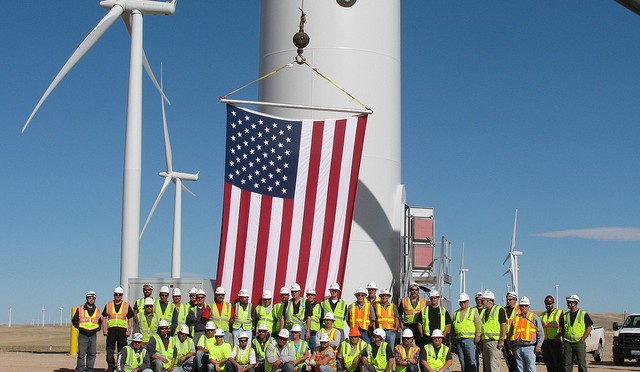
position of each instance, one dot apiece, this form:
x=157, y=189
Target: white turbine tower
x=463, y=274
x=131, y=12
x=177, y=178
x=513, y=257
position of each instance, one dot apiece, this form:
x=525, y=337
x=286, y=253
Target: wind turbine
x=463, y=274
x=177, y=178
x=131, y=12
x=513, y=256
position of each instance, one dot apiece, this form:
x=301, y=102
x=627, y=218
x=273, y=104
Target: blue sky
x=505, y=105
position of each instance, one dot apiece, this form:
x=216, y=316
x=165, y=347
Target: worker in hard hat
x=185, y=350
x=410, y=307
x=382, y=358
x=212, y=351
x=480, y=309
x=259, y=344
x=193, y=301
x=576, y=326
x=387, y=317
x=116, y=325
x=552, y=352
x=312, y=317
x=133, y=357
x=494, y=331
x=245, y=314
x=146, y=322
x=198, y=316
x=264, y=311
x=335, y=336
x=372, y=293
x=436, y=356
x=279, y=309
x=295, y=310
x=361, y=315
x=87, y=320
x=467, y=329
x=300, y=346
x=525, y=337
x=243, y=357
x=164, y=308
x=180, y=311
x=407, y=354
x=280, y=354
x=222, y=313
x=353, y=353
x=161, y=349
x=325, y=358
x=147, y=292
x=512, y=310
x=337, y=307
x=433, y=317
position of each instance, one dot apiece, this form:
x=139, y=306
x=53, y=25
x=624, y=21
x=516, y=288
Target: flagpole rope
x=337, y=86
x=290, y=64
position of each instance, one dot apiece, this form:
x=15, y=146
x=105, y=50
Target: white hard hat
x=478, y=294
x=263, y=327
x=184, y=329
x=573, y=298
x=311, y=291
x=512, y=294
x=329, y=316
x=372, y=285
x=243, y=293
x=380, y=332
x=434, y=293
x=163, y=323
x=118, y=290
x=177, y=292
x=243, y=335
x=147, y=286
x=334, y=287
x=436, y=333
x=164, y=289
x=524, y=300
x=210, y=325
x=407, y=333
x=193, y=290
x=220, y=290
x=218, y=332
x=414, y=284
x=295, y=287
x=361, y=290
x=324, y=337
x=285, y=291
x=266, y=294
x=385, y=292
x=137, y=337
x=296, y=328
x=463, y=297
x=488, y=295
x=149, y=301
x=201, y=292
x=284, y=333
x=92, y=294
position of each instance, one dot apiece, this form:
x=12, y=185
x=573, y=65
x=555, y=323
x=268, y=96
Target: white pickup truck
x=626, y=340
x=595, y=343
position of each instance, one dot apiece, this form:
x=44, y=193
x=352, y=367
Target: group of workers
x=298, y=333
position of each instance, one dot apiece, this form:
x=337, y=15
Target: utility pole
x=10, y=309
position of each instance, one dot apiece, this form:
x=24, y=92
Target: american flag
x=289, y=191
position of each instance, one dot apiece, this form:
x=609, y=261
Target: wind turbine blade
x=187, y=190
x=462, y=260
x=506, y=258
x=82, y=49
x=507, y=272
x=513, y=237
x=167, y=180
x=167, y=142
x=145, y=61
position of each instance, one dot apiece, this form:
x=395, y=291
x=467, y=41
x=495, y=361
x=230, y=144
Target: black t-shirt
x=434, y=318
x=375, y=348
x=502, y=315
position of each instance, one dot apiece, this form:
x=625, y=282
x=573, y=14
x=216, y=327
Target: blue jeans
x=467, y=354
x=525, y=357
x=391, y=338
x=312, y=341
x=364, y=335
x=236, y=333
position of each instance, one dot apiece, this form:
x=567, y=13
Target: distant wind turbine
x=177, y=178
x=513, y=257
x=463, y=274
x=131, y=12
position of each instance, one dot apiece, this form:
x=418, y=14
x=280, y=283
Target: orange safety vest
x=514, y=312
x=410, y=312
x=117, y=319
x=522, y=328
x=360, y=318
x=386, y=317
x=86, y=321
x=321, y=354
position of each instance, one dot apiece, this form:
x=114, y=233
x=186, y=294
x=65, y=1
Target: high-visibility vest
x=349, y=352
x=404, y=355
x=436, y=360
x=242, y=355
x=480, y=311
x=573, y=332
x=465, y=327
x=331, y=334
x=167, y=314
x=298, y=318
x=264, y=317
x=206, y=342
x=339, y=313
x=491, y=327
x=386, y=317
x=514, y=313
x=321, y=354
x=425, y=319
x=522, y=328
x=315, y=317
x=261, y=349
x=86, y=321
x=148, y=329
x=375, y=301
x=360, y=318
x=221, y=319
x=243, y=317
x=140, y=304
x=268, y=366
x=165, y=352
x=219, y=352
x=117, y=319
x=379, y=362
x=182, y=314
x=409, y=312
x=300, y=350
x=134, y=360
x=278, y=313
x=551, y=323
x=182, y=348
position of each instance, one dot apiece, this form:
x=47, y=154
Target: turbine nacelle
x=180, y=175
x=144, y=6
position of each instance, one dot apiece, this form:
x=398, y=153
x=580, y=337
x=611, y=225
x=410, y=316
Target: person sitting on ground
x=133, y=358
x=436, y=357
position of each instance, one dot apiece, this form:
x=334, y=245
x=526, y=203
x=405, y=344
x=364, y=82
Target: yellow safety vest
x=182, y=314
x=349, y=353
x=386, y=317
x=409, y=312
x=522, y=328
x=261, y=349
x=167, y=352
x=379, y=362
x=315, y=317
x=491, y=327
x=439, y=359
x=360, y=318
x=264, y=317
x=140, y=304
x=404, y=355
x=339, y=313
x=167, y=314
x=86, y=321
x=573, y=333
x=219, y=352
x=425, y=319
x=221, y=319
x=465, y=327
x=300, y=350
x=134, y=360
x=268, y=366
x=510, y=318
x=298, y=318
x=117, y=319
x=551, y=323
x=148, y=330
x=243, y=317
x=182, y=348
x=242, y=356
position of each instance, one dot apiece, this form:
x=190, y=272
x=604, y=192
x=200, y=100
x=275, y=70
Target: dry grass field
x=28, y=348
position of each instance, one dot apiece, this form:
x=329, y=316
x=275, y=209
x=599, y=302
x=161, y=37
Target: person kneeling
x=243, y=357
x=436, y=357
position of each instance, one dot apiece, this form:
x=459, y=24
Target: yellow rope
x=260, y=78
x=336, y=85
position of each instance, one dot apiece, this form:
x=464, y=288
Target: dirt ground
x=29, y=348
